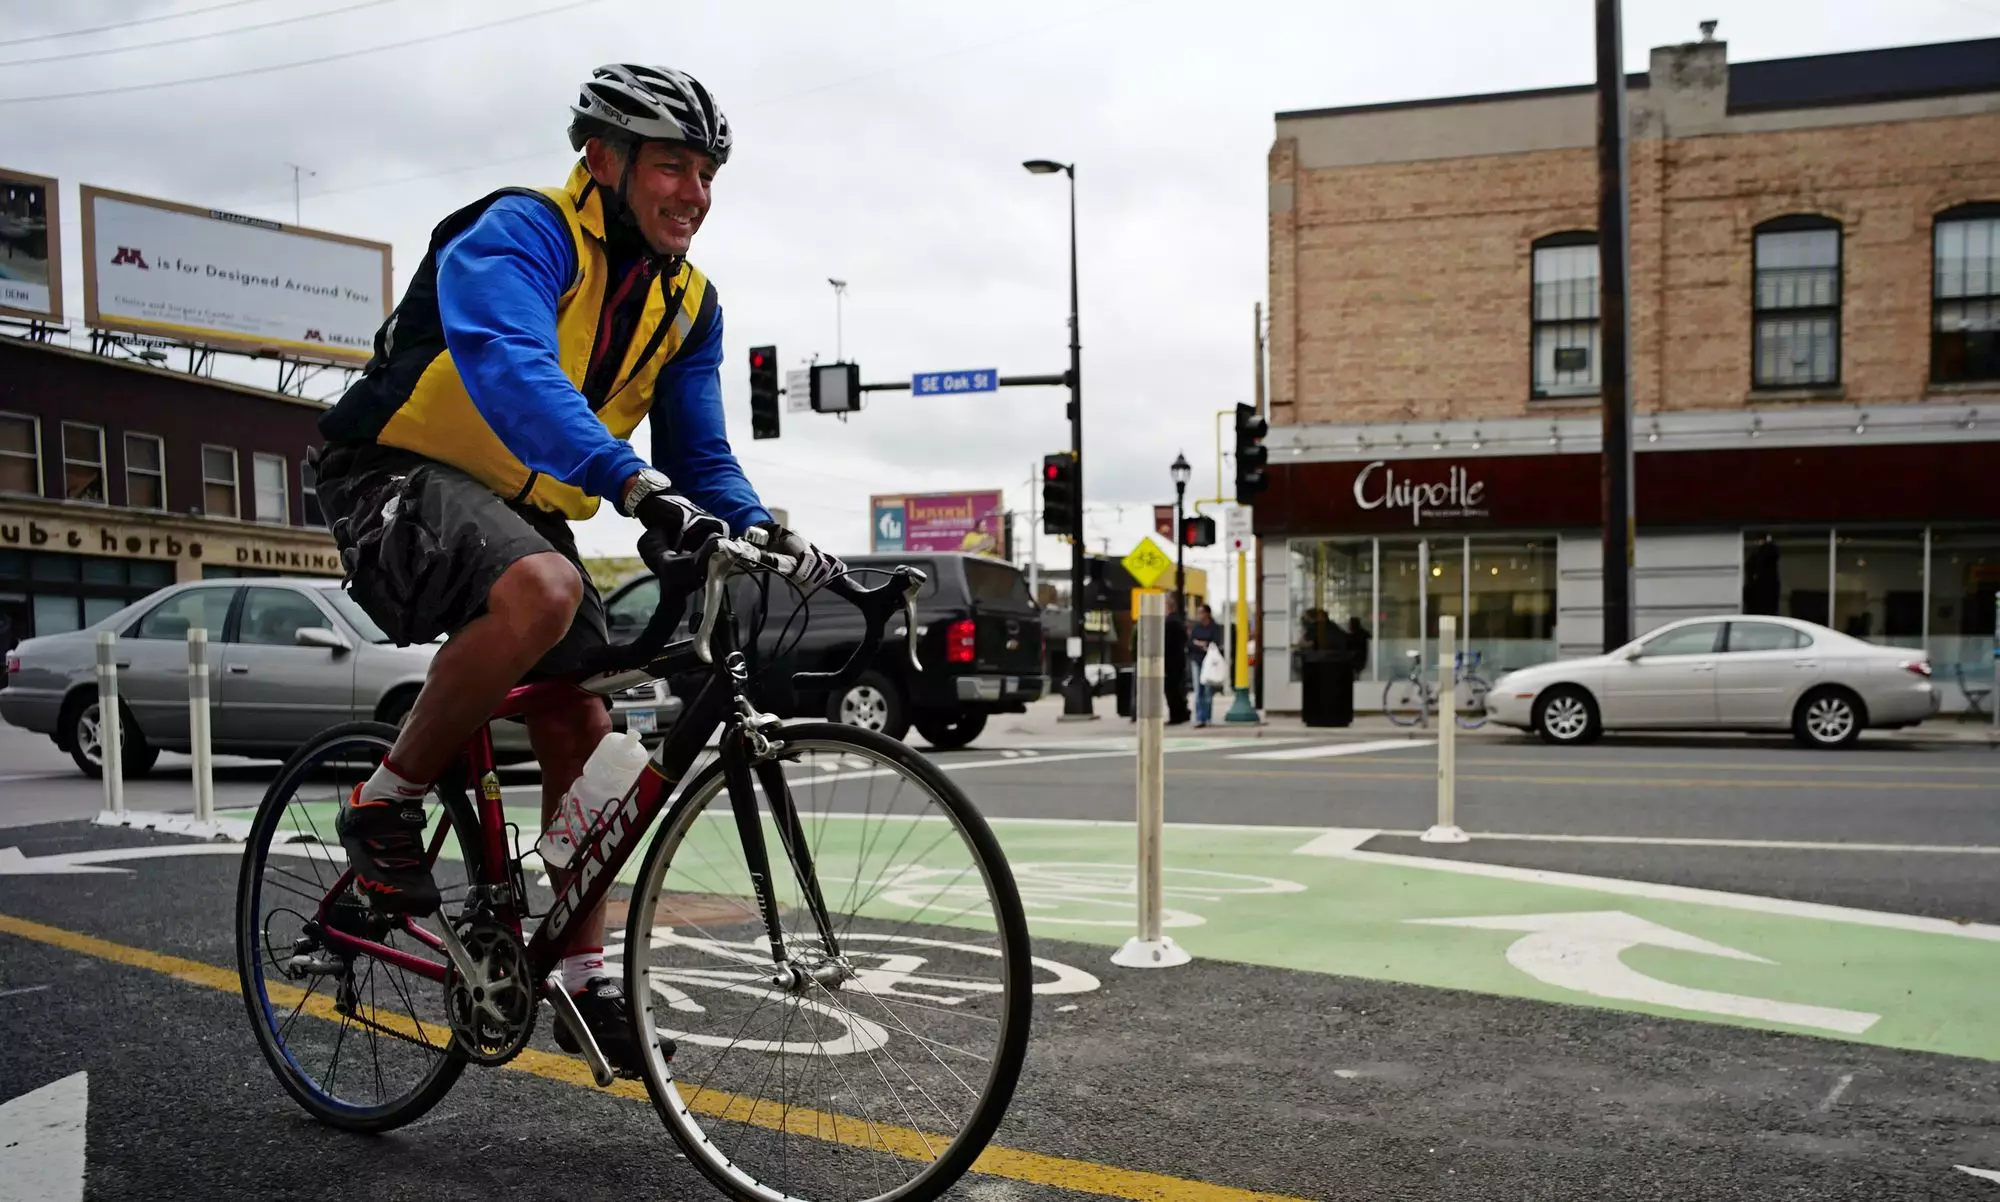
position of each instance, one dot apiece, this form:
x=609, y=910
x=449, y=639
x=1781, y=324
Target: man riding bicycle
x=539, y=330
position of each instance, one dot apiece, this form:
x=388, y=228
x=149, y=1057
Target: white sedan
x=1723, y=673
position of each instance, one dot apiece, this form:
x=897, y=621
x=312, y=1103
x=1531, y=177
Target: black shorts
x=423, y=543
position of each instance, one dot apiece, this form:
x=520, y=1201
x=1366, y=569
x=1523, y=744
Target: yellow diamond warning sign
x=1148, y=563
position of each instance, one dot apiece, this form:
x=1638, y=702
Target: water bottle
x=607, y=776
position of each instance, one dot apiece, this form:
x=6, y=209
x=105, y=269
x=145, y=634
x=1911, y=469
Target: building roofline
x=1637, y=79
x=162, y=372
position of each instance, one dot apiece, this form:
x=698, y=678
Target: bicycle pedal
x=569, y=1016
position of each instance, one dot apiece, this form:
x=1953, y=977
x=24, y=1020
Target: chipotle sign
x=1420, y=494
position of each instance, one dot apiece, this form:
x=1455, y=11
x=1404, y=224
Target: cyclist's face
x=669, y=194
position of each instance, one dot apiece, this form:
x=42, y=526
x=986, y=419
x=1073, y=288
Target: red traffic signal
x=1197, y=532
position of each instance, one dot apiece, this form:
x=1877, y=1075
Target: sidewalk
x=1044, y=723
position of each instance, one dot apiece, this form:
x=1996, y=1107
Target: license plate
x=642, y=722
x=1012, y=684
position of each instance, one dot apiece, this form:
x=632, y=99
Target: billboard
x=30, y=247
x=943, y=521
x=227, y=281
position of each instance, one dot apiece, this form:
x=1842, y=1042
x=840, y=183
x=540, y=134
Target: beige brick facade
x=1400, y=248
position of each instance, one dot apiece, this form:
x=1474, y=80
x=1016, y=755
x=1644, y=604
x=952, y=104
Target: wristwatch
x=644, y=484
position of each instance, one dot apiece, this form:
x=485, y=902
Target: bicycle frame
x=619, y=830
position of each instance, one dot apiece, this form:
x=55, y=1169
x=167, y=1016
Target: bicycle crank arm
x=460, y=958
x=568, y=1015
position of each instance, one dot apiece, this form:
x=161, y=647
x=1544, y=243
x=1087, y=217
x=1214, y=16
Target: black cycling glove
x=683, y=525
x=811, y=567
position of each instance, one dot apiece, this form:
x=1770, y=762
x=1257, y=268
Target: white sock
x=388, y=784
x=580, y=968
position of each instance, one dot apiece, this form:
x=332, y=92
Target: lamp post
x=1076, y=689
x=839, y=294
x=1182, y=473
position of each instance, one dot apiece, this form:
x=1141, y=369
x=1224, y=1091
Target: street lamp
x=1076, y=689
x=839, y=293
x=1182, y=473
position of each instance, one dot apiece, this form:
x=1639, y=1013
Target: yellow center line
x=1625, y=781
x=1015, y=1164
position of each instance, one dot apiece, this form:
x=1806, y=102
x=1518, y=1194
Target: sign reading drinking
x=224, y=280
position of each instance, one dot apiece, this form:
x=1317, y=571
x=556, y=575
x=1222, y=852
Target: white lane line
x=19, y=992
x=1326, y=750
x=1690, y=896
x=1973, y=849
x=1988, y=1174
x=1833, y=1095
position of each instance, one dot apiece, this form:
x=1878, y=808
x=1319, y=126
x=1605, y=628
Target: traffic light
x=763, y=392
x=1250, y=455
x=1059, y=493
x=1197, y=532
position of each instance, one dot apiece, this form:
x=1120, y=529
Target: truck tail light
x=958, y=641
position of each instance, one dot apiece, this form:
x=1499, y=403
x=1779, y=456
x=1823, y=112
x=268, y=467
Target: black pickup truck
x=979, y=635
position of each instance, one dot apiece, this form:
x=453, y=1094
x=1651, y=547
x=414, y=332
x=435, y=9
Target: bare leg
x=528, y=611
x=563, y=736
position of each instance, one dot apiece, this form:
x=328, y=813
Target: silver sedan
x=287, y=658
x=1724, y=673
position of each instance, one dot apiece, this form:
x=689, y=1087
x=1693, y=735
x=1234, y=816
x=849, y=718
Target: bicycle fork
x=770, y=775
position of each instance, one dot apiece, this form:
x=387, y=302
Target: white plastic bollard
x=110, y=735
x=1149, y=948
x=198, y=728
x=1447, y=829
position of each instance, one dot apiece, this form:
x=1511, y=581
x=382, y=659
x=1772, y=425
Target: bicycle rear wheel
x=363, y=1044
x=1403, y=701
x=1469, y=699
x=880, y=1070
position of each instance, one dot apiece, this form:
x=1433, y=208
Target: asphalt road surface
x=1662, y=969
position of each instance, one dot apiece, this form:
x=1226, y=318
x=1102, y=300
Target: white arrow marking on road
x=1989, y=1174
x=13, y=863
x=1579, y=951
x=41, y=1142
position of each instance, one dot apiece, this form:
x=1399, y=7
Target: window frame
x=160, y=473
x=1793, y=223
x=1978, y=210
x=103, y=469
x=303, y=596
x=311, y=515
x=1555, y=241
x=35, y=424
x=235, y=481
x=284, y=514
x=1716, y=641
x=1800, y=640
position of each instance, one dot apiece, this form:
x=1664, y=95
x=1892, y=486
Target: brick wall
x=1400, y=291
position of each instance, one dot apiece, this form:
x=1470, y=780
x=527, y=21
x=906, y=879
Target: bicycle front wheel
x=1403, y=701
x=1470, y=698
x=876, y=1061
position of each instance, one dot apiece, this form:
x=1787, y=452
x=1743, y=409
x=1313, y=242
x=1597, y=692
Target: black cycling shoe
x=602, y=1004
x=384, y=840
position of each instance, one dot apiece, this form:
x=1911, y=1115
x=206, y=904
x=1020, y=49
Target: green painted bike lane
x=1252, y=896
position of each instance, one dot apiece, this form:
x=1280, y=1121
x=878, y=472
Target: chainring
x=491, y=1017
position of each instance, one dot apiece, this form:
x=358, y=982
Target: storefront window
x=1965, y=574
x=1332, y=590
x=1786, y=573
x=1398, y=631
x=56, y=613
x=1513, y=593
x=1879, y=586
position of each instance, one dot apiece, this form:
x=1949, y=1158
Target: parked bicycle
x=368, y=1019
x=1410, y=697
x=1977, y=686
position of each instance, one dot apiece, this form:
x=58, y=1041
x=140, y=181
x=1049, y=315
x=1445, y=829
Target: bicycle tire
x=336, y=746
x=703, y=1138
x=1405, y=701
x=1476, y=687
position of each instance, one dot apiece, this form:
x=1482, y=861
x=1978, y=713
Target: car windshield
x=996, y=583
x=354, y=615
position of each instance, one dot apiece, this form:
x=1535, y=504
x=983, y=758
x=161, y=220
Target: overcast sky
x=876, y=142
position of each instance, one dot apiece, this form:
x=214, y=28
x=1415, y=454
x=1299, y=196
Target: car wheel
x=1828, y=717
x=871, y=702
x=396, y=710
x=85, y=731
x=1567, y=714
x=953, y=732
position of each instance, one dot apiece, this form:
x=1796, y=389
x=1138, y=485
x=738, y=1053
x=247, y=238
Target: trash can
x=1127, y=678
x=1326, y=688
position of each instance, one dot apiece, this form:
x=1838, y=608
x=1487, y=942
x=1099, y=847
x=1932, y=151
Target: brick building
x=117, y=478
x=1815, y=275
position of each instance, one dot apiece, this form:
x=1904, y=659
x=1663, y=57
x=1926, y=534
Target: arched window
x=1796, y=303
x=1965, y=294
x=1563, y=316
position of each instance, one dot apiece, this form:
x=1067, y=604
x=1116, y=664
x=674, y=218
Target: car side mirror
x=321, y=636
x=1634, y=652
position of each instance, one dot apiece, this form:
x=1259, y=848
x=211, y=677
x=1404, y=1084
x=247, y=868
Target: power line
x=77, y=33
x=195, y=37
x=325, y=58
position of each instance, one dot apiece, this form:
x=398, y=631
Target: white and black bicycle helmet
x=649, y=104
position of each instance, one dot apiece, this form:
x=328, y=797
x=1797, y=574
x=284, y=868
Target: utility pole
x=839, y=294
x=1035, y=534
x=1614, y=309
x=296, y=172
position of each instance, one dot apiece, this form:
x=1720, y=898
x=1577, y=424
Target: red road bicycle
x=766, y=942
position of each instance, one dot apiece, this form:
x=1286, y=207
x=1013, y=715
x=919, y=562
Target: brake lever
x=910, y=590
x=725, y=557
